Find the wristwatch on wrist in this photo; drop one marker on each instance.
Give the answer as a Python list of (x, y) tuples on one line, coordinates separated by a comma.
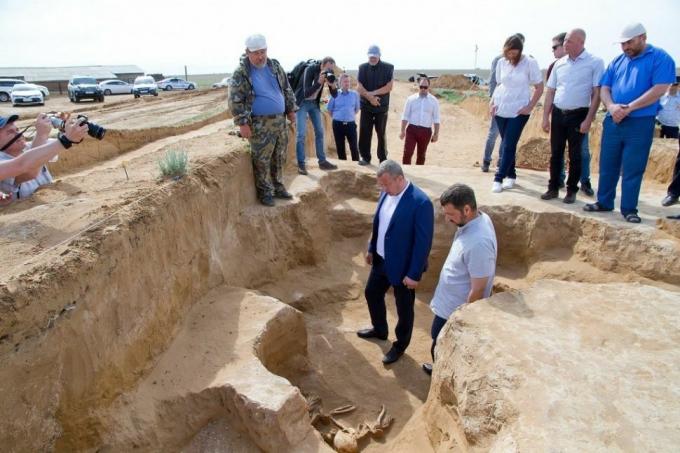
[(64, 140)]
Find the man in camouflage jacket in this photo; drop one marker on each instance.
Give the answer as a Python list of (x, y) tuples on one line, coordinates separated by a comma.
[(260, 99)]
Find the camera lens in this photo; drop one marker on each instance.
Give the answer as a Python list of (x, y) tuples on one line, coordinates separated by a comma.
[(95, 131)]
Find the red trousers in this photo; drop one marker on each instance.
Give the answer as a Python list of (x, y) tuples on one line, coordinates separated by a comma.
[(416, 136)]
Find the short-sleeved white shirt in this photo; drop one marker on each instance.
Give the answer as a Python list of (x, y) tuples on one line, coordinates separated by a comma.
[(573, 80), (472, 255), (514, 85)]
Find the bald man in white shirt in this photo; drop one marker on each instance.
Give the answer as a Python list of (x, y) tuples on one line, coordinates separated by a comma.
[(421, 114)]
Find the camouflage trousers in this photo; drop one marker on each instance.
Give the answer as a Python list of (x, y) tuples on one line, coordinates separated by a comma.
[(268, 147)]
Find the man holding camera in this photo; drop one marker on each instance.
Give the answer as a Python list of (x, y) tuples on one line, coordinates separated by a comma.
[(12, 145), (21, 165), (307, 96), (260, 99), (375, 81)]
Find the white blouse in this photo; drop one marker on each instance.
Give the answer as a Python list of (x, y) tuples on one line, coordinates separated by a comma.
[(514, 85)]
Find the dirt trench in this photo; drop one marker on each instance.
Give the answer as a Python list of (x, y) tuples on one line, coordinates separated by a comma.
[(114, 364)]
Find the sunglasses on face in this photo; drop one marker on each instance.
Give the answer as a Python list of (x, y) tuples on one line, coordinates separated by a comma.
[(424, 87), (16, 137), (555, 47)]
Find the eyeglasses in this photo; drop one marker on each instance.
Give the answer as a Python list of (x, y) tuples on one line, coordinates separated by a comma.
[(556, 46), (424, 87)]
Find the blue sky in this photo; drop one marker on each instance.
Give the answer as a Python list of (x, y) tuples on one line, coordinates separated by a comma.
[(208, 36)]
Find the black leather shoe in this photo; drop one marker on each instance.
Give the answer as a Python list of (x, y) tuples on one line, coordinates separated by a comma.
[(370, 333), (669, 200), (587, 189), (363, 163), (267, 201), (283, 194), (550, 194), (302, 170), (325, 165), (427, 368), (392, 356), (570, 198)]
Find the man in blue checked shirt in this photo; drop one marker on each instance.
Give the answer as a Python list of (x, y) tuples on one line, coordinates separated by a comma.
[(343, 110), (630, 90)]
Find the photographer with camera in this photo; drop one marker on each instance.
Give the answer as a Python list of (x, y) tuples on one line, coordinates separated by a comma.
[(307, 96), (22, 165)]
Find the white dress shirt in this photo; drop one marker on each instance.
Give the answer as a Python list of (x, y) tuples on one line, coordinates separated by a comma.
[(514, 85), (385, 216), (421, 110), (574, 80)]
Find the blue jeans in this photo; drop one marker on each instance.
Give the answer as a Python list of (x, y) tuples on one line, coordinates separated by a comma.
[(490, 142), (624, 151), (437, 325), (585, 162), (310, 108), (510, 130)]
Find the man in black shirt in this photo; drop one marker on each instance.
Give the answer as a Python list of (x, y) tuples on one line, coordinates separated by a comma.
[(374, 85)]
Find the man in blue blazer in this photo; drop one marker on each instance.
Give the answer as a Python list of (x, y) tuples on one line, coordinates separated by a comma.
[(397, 252)]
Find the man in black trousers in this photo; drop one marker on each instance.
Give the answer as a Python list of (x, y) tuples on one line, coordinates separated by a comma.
[(403, 227), (375, 80)]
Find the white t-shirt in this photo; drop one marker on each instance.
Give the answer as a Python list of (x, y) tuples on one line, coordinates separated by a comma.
[(514, 85), (574, 80), (472, 255), (385, 216)]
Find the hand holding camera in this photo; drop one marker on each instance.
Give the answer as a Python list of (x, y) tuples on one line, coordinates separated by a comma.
[(60, 121)]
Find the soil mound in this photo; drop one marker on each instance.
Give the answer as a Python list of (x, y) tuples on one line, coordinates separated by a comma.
[(534, 154), (453, 82)]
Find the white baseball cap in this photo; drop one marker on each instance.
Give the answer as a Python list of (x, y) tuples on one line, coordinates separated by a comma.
[(256, 42), (631, 31)]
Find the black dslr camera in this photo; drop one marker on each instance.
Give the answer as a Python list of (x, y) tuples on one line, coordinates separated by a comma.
[(93, 130), (330, 75)]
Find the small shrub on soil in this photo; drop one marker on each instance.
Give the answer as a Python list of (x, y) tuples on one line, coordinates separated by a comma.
[(173, 164)]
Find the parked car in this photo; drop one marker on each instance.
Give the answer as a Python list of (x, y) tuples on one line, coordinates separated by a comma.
[(144, 85), (115, 86), (7, 84), (224, 83), (474, 79), (175, 83), (83, 87), (26, 94)]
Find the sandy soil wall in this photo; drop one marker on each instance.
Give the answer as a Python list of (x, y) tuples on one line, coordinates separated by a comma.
[(78, 333)]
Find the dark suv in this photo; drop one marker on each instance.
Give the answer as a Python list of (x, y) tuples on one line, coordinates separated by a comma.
[(81, 87)]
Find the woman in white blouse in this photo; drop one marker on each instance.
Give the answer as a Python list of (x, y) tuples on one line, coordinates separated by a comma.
[(512, 103)]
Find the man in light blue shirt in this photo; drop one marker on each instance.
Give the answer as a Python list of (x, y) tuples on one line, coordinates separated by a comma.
[(343, 110), (630, 90), (470, 267)]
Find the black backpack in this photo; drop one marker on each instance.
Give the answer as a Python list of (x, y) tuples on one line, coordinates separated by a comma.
[(295, 76)]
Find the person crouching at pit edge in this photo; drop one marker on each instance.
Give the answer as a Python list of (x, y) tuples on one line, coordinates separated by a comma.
[(470, 267)]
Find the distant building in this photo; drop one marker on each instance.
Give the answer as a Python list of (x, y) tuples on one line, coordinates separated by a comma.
[(56, 78)]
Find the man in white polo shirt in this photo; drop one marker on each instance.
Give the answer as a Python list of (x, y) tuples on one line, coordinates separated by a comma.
[(571, 102), (421, 113), (468, 271)]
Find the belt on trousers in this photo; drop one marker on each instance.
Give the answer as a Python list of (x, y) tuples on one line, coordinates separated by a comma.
[(344, 123), (270, 117), (567, 112), (421, 127)]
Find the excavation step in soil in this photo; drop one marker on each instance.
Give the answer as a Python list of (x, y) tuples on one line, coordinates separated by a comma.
[(142, 313)]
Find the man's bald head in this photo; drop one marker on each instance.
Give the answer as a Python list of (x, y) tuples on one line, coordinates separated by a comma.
[(574, 42)]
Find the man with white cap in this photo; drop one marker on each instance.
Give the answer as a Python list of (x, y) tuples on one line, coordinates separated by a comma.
[(375, 80), (260, 99), (630, 90)]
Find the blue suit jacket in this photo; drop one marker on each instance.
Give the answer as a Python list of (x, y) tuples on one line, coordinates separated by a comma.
[(408, 239)]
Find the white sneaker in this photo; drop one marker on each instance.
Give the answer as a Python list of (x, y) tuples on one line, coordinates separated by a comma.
[(497, 187), (508, 183)]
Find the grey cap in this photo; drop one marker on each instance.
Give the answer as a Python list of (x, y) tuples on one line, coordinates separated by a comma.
[(5, 120), (374, 51), (256, 42), (631, 31)]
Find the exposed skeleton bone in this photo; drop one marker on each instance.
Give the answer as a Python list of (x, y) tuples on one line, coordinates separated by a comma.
[(346, 439)]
